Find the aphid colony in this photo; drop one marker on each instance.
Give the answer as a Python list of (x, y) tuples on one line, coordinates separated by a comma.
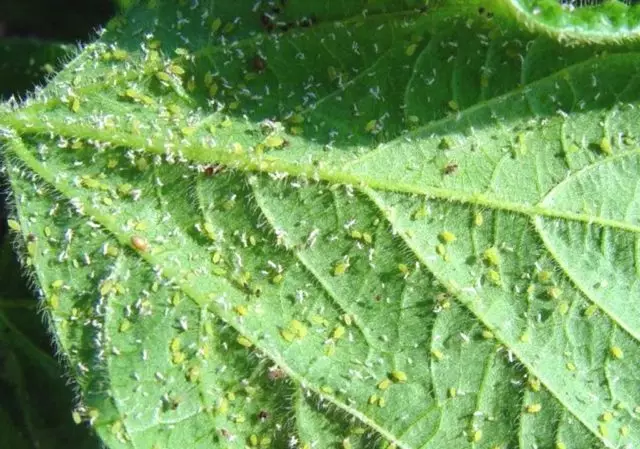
[(322, 319)]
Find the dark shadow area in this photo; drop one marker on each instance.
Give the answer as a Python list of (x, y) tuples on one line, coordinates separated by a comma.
[(37, 400), (58, 20)]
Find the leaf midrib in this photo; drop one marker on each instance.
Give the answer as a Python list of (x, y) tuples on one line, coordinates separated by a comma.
[(266, 164)]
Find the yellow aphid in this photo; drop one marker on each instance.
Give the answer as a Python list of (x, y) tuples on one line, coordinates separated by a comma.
[(478, 219), (534, 408), (240, 310), (14, 225), (491, 256), (616, 352), (340, 268), (534, 384), (447, 237), (606, 417), (338, 332), (605, 146), (475, 436), (590, 311)]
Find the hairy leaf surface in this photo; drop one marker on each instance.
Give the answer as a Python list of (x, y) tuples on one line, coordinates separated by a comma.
[(330, 224)]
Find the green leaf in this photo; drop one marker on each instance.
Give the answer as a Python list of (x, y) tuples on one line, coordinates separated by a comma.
[(590, 20), (323, 225)]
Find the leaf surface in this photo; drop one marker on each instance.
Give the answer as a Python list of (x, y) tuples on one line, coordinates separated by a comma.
[(314, 225)]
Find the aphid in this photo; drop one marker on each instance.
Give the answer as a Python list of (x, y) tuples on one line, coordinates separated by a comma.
[(534, 408), (475, 436), (263, 415), (308, 21), (267, 22), (450, 168), (274, 141), (492, 257), (616, 352), (226, 434), (340, 268), (398, 376), (193, 375), (259, 64), (605, 146), (604, 431), (570, 366), (487, 334), (478, 219), (276, 373), (326, 389), (591, 310), (139, 243), (447, 237), (554, 292), (606, 417), (170, 403), (244, 341), (384, 384)]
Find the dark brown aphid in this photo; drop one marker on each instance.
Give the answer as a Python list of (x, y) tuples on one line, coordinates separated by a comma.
[(276, 373), (170, 403), (309, 21), (267, 22), (226, 434), (450, 168), (213, 169), (263, 415), (258, 63), (139, 243)]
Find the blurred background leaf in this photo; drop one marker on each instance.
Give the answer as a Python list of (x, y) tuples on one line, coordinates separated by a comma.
[(36, 38), (25, 62)]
